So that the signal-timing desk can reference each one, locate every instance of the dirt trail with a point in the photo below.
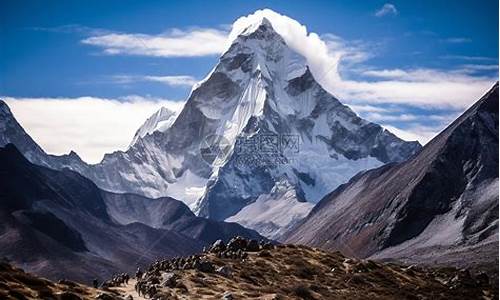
(129, 290)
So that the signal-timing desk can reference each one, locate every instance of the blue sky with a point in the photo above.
(71, 49)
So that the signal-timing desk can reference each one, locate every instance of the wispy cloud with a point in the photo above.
(457, 40)
(468, 57)
(174, 80)
(90, 126)
(367, 108)
(407, 123)
(387, 9)
(460, 73)
(377, 117)
(452, 88)
(473, 68)
(72, 28)
(174, 43)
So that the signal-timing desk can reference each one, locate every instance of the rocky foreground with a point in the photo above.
(248, 270)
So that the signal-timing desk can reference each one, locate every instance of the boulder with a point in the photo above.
(217, 246)
(169, 279)
(266, 245)
(224, 271)
(237, 243)
(227, 296)
(206, 267)
(482, 279)
(253, 246)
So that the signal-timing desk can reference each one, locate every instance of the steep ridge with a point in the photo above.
(159, 121)
(272, 125)
(439, 206)
(11, 132)
(171, 214)
(59, 224)
(300, 134)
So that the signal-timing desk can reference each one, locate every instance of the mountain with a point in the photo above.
(59, 224)
(11, 132)
(159, 121)
(258, 122)
(440, 206)
(171, 214)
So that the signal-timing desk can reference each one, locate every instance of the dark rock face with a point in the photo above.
(61, 221)
(442, 199)
(171, 214)
(49, 224)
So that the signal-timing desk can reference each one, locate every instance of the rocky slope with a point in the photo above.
(281, 272)
(271, 125)
(440, 206)
(243, 270)
(16, 284)
(58, 223)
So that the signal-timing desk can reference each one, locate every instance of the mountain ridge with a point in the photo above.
(443, 197)
(278, 125)
(58, 223)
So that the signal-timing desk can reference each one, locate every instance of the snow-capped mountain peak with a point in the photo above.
(161, 120)
(264, 111)
(263, 25)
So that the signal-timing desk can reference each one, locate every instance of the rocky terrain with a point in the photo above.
(439, 206)
(15, 284)
(59, 224)
(244, 269)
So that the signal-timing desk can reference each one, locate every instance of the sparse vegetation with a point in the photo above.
(296, 272)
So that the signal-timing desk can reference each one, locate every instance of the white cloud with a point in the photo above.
(173, 80)
(326, 55)
(457, 40)
(386, 9)
(470, 58)
(420, 87)
(362, 108)
(420, 133)
(94, 126)
(472, 68)
(378, 117)
(174, 43)
(177, 80)
(90, 126)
